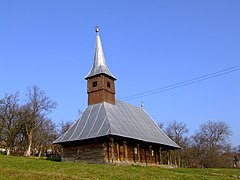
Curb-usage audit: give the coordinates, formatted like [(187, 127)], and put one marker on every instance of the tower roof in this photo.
[(99, 64)]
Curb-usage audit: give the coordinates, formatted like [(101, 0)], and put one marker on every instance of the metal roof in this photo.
[(99, 64), (121, 119)]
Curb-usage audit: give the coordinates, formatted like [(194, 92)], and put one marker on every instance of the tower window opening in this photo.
[(95, 84), (108, 84)]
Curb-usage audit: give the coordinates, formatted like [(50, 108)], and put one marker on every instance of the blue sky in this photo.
[(147, 45)]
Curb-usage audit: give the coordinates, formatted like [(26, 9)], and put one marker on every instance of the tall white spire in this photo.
[(99, 65), (99, 59)]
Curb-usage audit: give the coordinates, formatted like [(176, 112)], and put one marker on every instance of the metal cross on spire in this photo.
[(97, 29)]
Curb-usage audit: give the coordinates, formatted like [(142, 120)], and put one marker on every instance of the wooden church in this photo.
[(111, 131)]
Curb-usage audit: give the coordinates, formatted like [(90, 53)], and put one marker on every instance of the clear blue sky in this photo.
[(147, 45)]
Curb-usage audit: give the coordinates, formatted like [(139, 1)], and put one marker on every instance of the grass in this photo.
[(12, 167)]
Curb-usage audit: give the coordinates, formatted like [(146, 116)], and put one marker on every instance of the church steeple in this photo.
[(101, 87), (99, 64)]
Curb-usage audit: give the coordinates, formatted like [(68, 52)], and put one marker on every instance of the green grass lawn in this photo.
[(12, 167)]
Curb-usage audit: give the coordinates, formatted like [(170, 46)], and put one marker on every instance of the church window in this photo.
[(152, 153), (95, 84), (135, 150), (108, 84)]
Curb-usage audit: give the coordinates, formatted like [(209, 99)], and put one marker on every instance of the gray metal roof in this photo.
[(99, 64), (121, 119)]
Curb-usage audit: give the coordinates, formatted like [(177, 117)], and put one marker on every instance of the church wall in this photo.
[(136, 152), (113, 150), (84, 153)]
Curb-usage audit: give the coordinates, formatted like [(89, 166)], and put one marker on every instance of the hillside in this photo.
[(12, 167)]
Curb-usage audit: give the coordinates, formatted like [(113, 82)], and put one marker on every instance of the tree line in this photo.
[(207, 147), (26, 129)]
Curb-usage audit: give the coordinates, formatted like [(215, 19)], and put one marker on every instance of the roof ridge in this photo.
[(95, 119), (91, 108), (124, 102), (107, 117)]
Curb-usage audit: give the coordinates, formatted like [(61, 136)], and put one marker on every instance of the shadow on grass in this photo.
[(55, 159)]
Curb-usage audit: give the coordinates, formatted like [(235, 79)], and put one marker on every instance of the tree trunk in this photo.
[(30, 139), (40, 151)]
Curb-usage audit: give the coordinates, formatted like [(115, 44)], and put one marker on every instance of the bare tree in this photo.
[(211, 141), (45, 134), (33, 112), (9, 120), (161, 125), (64, 126), (236, 149), (216, 133), (177, 131)]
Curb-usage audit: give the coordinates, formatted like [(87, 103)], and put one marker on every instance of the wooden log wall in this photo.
[(115, 150), (118, 151), (88, 153)]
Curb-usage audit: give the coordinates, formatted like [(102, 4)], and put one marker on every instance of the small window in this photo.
[(152, 152), (108, 84), (135, 150), (94, 84)]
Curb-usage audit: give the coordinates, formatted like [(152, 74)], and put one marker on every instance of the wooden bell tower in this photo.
[(100, 81)]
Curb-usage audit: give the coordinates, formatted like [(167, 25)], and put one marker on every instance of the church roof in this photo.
[(121, 119), (99, 64)]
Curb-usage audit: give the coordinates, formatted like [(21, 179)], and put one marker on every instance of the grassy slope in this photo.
[(30, 168)]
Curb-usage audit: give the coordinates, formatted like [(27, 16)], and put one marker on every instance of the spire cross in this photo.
[(97, 29)]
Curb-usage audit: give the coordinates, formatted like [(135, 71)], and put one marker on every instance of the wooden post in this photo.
[(62, 153), (125, 151), (138, 152), (145, 155), (108, 153), (121, 153), (150, 154), (118, 159), (160, 155), (133, 154), (168, 156), (155, 156), (175, 156), (179, 158), (112, 145)]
